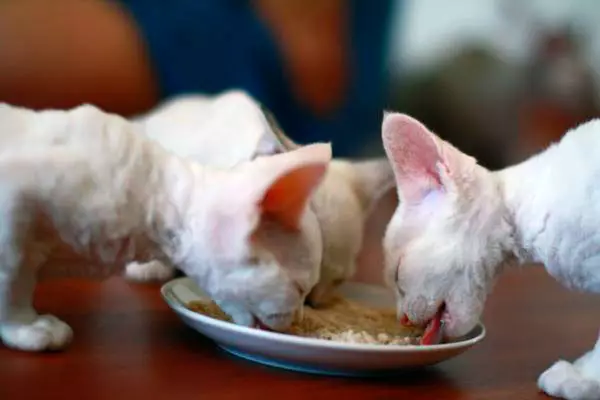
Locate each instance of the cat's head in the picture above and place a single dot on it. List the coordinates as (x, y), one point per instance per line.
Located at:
(343, 203)
(259, 247)
(447, 238)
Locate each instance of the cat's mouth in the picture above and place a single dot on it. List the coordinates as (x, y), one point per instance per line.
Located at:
(434, 328)
(273, 322)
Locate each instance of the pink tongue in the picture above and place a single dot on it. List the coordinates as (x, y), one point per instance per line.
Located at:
(433, 333)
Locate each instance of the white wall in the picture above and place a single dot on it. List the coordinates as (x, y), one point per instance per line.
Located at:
(426, 30)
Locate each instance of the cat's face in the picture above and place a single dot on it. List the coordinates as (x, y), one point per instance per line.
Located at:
(444, 243)
(262, 253)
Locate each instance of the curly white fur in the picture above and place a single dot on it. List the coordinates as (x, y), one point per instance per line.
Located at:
(459, 224)
(85, 180)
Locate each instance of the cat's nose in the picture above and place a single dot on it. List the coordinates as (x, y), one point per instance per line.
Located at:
(420, 309)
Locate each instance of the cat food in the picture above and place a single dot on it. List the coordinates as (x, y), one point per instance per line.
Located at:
(342, 321)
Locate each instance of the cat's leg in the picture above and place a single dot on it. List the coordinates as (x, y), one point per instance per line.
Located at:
(148, 272)
(20, 326)
(579, 380)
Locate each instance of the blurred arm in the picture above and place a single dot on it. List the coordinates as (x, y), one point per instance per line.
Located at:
(61, 53)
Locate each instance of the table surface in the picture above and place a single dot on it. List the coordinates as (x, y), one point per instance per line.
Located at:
(128, 344)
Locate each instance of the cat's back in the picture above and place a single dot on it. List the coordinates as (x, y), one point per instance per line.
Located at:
(568, 170)
(572, 169)
(25, 128)
(219, 131)
(581, 144)
(568, 196)
(72, 151)
(83, 127)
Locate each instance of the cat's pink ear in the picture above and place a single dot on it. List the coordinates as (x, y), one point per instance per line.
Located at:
(415, 154)
(289, 180)
(275, 188)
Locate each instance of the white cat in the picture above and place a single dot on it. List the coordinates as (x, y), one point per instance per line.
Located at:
(232, 127)
(85, 180)
(459, 224)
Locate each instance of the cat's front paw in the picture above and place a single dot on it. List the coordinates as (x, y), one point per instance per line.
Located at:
(46, 332)
(565, 380)
(148, 272)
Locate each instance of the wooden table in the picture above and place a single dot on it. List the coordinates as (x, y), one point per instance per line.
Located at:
(129, 345)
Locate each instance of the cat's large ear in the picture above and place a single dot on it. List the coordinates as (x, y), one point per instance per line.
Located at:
(371, 180)
(277, 188)
(422, 162)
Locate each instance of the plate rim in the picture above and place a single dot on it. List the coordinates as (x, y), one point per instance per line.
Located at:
(173, 302)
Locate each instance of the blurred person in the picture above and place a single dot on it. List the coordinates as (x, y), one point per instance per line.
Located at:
(319, 65)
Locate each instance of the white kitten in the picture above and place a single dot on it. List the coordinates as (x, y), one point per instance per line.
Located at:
(85, 180)
(458, 224)
(342, 204)
(232, 127)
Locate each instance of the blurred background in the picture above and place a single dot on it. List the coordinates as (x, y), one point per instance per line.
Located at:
(500, 79)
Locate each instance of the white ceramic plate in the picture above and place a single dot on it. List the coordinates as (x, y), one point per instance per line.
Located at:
(314, 355)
